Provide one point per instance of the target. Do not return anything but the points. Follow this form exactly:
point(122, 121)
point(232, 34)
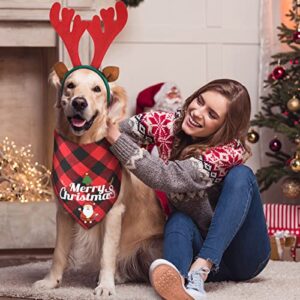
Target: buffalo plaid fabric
point(71, 164)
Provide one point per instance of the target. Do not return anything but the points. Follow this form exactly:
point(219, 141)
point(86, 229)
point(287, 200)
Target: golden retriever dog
point(129, 238)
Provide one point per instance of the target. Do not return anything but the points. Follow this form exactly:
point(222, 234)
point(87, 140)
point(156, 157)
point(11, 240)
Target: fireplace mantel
point(26, 24)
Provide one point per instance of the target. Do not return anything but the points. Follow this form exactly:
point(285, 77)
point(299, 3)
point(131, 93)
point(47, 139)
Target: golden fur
point(130, 237)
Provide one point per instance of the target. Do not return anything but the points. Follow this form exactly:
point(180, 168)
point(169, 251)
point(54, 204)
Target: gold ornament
point(252, 136)
point(297, 139)
point(295, 162)
point(293, 104)
point(291, 188)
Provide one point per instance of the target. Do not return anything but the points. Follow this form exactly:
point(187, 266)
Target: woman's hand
point(201, 263)
point(113, 132)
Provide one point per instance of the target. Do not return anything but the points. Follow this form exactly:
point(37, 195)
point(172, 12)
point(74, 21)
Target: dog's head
point(87, 98)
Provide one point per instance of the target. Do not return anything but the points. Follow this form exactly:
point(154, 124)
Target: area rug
point(279, 280)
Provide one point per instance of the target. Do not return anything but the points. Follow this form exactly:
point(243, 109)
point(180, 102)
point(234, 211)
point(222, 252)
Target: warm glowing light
point(20, 179)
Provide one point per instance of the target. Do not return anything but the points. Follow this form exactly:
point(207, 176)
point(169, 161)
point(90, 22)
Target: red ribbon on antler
point(102, 30)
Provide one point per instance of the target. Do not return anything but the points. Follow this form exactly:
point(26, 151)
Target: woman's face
point(205, 114)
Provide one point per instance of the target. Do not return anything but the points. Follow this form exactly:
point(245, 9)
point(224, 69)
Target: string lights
point(20, 179)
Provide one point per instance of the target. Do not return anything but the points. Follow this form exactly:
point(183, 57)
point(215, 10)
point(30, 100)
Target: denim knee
point(180, 223)
point(240, 177)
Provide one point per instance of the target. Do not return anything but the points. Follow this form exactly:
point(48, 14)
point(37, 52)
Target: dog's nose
point(79, 103)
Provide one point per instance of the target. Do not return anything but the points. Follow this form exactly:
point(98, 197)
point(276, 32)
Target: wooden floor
point(21, 257)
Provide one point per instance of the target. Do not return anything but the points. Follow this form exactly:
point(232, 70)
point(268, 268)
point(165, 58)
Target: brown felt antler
point(104, 35)
point(63, 28)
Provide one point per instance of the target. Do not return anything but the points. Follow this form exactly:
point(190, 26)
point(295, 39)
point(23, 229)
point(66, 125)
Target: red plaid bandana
point(86, 179)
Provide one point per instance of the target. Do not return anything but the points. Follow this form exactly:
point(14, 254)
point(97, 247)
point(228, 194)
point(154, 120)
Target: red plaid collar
point(86, 179)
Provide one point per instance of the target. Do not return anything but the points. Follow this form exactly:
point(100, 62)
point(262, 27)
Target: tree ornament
point(295, 162)
point(271, 77)
point(293, 104)
point(278, 72)
point(297, 139)
point(294, 61)
point(296, 35)
point(291, 187)
point(252, 136)
point(275, 145)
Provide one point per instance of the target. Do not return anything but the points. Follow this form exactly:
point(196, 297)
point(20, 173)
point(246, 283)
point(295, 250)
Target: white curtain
point(269, 20)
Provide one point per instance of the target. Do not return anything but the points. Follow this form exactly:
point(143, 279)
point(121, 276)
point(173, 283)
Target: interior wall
point(189, 43)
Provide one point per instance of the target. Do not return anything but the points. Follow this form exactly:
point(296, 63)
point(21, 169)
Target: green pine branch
point(266, 176)
point(277, 123)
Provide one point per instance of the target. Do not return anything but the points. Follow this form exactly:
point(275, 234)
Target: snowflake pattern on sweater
point(155, 128)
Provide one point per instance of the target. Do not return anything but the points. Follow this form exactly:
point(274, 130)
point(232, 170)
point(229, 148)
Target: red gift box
point(283, 217)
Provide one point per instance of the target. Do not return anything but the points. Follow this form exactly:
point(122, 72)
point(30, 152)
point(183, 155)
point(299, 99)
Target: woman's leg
point(182, 240)
point(237, 242)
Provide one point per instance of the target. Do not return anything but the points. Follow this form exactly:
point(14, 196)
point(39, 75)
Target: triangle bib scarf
point(86, 179)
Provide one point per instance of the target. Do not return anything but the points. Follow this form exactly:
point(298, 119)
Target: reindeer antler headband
point(102, 34)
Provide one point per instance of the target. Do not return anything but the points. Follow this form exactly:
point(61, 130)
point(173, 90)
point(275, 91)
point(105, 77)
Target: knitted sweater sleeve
point(147, 128)
point(179, 176)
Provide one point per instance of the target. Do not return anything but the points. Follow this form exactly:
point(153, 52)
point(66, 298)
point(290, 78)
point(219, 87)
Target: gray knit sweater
point(193, 184)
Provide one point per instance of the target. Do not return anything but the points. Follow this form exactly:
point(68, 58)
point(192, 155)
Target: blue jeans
point(237, 241)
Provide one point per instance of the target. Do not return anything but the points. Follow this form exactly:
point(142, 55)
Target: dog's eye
point(97, 89)
point(71, 85)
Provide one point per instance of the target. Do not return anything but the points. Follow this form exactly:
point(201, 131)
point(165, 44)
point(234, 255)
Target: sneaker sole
point(167, 282)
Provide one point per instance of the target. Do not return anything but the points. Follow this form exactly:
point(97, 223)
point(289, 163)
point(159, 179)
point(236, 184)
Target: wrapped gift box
point(283, 218)
point(283, 221)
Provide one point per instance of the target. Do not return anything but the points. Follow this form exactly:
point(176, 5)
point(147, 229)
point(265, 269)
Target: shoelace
point(195, 279)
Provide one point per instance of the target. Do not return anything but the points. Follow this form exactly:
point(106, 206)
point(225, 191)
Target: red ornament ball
point(296, 37)
point(278, 73)
point(294, 61)
point(275, 145)
point(271, 77)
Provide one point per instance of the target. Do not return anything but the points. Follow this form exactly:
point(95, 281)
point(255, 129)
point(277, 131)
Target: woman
point(226, 233)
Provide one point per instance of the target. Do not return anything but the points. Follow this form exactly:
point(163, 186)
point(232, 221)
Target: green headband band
point(92, 69)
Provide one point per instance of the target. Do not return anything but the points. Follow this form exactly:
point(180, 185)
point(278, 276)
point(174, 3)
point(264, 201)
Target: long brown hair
point(235, 126)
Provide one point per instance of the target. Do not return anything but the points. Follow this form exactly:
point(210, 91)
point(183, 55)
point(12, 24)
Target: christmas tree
point(281, 111)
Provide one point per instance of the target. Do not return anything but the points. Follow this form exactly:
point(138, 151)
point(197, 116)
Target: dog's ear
point(111, 73)
point(60, 69)
point(118, 104)
point(58, 72)
point(56, 77)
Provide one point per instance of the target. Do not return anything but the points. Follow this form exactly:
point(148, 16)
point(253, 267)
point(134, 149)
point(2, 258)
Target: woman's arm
point(171, 177)
point(177, 176)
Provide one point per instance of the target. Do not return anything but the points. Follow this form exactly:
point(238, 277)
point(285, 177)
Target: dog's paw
point(46, 284)
point(105, 290)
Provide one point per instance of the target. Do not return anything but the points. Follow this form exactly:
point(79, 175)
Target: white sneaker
point(195, 285)
point(169, 283)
